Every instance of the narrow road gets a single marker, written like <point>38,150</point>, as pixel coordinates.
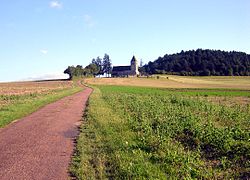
<point>40,145</point>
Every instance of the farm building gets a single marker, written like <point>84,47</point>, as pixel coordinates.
<point>125,71</point>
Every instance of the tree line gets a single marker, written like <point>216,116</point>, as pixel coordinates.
<point>201,63</point>
<point>98,66</point>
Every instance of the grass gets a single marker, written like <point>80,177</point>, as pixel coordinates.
<point>18,104</point>
<point>152,133</point>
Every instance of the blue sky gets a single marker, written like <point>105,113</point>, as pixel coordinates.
<point>39,39</point>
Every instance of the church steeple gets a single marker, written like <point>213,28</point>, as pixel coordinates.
<point>134,66</point>
<point>133,59</point>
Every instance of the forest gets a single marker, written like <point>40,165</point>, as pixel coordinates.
<point>201,63</point>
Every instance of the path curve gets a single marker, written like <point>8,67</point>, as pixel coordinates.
<point>40,145</point>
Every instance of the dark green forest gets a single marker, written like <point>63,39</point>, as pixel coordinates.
<point>201,63</point>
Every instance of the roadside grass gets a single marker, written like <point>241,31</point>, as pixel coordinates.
<point>150,133</point>
<point>17,106</point>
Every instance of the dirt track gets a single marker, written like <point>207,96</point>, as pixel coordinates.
<point>40,145</point>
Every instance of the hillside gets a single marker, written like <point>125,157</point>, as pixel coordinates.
<point>202,63</point>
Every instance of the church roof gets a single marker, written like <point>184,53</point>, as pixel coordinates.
<point>133,59</point>
<point>121,68</point>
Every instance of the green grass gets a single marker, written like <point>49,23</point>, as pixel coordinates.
<point>183,91</point>
<point>21,105</point>
<point>149,133</point>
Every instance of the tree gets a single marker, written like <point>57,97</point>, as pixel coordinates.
<point>141,63</point>
<point>78,71</point>
<point>107,65</point>
<point>202,62</point>
<point>70,71</point>
<point>142,68</point>
<point>98,62</point>
<point>91,69</point>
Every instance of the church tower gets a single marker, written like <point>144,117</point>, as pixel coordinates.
<point>134,67</point>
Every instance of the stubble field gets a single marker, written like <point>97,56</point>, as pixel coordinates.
<point>22,98</point>
<point>171,81</point>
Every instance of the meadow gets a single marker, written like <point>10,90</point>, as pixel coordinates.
<point>22,98</point>
<point>132,132</point>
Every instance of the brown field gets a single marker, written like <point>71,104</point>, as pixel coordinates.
<point>229,101</point>
<point>177,82</point>
<point>22,88</point>
<point>18,99</point>
<point>12,92</point>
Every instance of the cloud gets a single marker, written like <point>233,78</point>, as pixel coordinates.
<point>55,4</point>
<point>88,20</point>
<point>44,51</point>
<point>49,76</point>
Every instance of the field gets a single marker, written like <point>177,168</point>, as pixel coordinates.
<point>22,98</point>
<point>177,82</point>
<point>188,131</point>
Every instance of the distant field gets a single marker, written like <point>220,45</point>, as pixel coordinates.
<point>22,98</point>
<point>177,82</point>
<point>186,128</point>
<point>21,88</point>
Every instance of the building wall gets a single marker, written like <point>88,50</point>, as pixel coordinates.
<point>132,72</point>
<point>122,73</point>
<point>134,68</point>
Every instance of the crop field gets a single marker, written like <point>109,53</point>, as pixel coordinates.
<point>21,98</point>
<point>170,81</point>
<point>158,133</point>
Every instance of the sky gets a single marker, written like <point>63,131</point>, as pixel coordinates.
<point>40,38</point>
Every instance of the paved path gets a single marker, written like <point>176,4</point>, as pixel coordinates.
<point>40,145</point>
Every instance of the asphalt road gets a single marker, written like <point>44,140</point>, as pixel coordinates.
<point>40,145</point>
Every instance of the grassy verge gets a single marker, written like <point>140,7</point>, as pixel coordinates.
<point>23,105</point>
<point>90,159</point>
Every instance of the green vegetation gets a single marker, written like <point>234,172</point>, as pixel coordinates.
<point>149,133</point>
<point>18,106</point>
<point>201,63</point>
<point>97,66</point>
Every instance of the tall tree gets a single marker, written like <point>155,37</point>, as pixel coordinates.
<point>98,62</point>
<point>141,63</point>
<point>107,65</point>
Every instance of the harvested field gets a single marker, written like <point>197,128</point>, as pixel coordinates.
<point>20,88</point>
<point>176,82</point>
<point>22,98</point>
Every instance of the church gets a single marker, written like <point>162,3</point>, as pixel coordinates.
<point>126,71</point>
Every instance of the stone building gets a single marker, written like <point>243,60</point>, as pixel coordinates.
<point>126,71</point>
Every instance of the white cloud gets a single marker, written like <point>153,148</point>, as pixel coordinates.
<point>49,76</point>
<point>44,51</point>
<point>55,4</point>
<point>88,20</point>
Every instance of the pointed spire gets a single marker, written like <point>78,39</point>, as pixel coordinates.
<point>133,58</point>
